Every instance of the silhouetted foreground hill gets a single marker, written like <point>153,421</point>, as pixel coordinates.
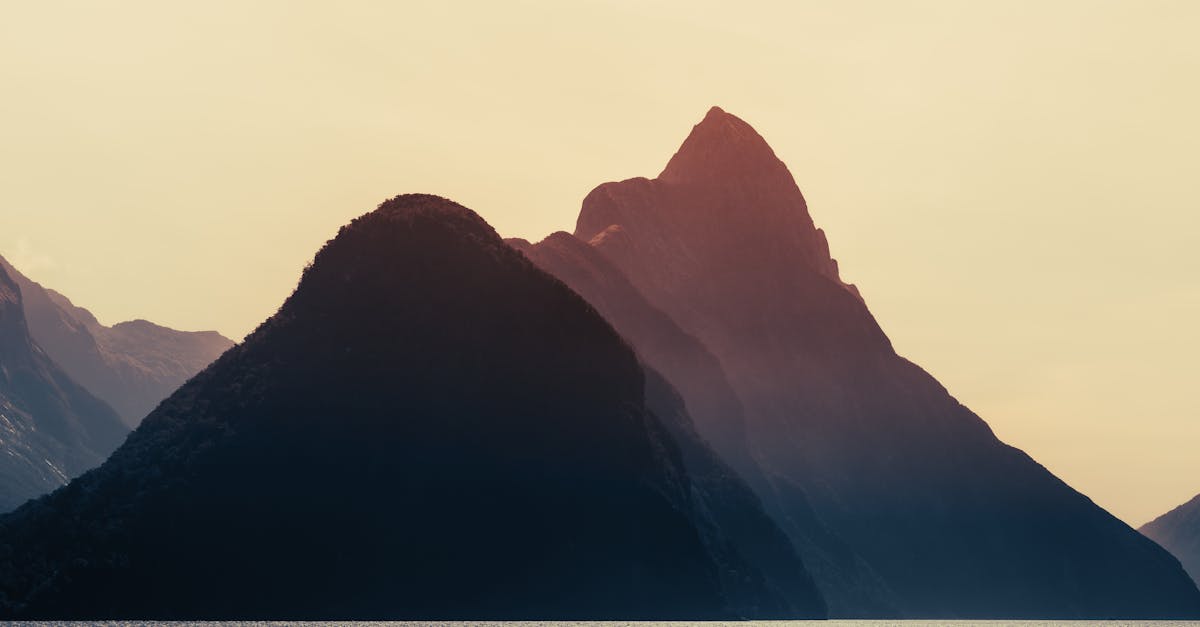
<point>847,583</point>
<point>430,427</point>
<point>957,523</point>
<point>132,365</point>
<point>51,430</point>
<point>1178,531</point>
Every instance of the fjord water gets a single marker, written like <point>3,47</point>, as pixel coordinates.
<point>825,623</point>
<point>653,623</point>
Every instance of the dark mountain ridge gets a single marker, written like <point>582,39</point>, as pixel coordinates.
<point>51,430</point>
<point>957,523</point>
<point>430,427</point>
<point>131,365</point>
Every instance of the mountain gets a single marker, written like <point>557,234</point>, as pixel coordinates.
<point>1178,531</point>
<point>132,365</point>
<point>51,429</point>
<point>956,523</point>
<point>430,427</point>
<point>847,583</point>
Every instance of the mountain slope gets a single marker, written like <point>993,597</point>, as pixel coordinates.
<point>712,403</point>
<point>957,523</point>
<point>430,427</point>
<point>846,582</point>
<point>51,430</point>
<point>1178,531</point>
<point>728,512</point>
<point>132,365</point>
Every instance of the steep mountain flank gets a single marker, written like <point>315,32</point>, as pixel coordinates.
<point>957,523</point>
<point>1178,531</point>
<point>51,429</point>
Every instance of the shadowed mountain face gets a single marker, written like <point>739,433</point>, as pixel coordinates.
<point>664,347</point>
<point>741,535</point>
<point>848,585</point>
<point>957,523</point>
<point>1178,531</point>
<point>132,365</point>
<point>51,430</point>
<point>430,427</point>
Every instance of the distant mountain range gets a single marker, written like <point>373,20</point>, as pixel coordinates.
<point>132,366</point>
<point>679,411</point>
<point>51,429</point>
<point>430,427</point>
<point>1178,531</point>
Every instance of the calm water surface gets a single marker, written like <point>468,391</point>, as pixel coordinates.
<point>828,623</point>
<point>619,623</point>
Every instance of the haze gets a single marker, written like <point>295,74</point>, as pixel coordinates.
<point>1011,184</point>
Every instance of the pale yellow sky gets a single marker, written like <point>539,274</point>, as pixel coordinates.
<point>1012,184</point>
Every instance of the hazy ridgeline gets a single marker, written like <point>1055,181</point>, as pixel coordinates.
<point>680,411</point>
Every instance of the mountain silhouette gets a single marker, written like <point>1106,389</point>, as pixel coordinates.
<point>429,427</point>
<point>1178,531</point>
<point>51,429</point>
<point>957,523</point>
<point>132,365</point>
<point>847,583</point>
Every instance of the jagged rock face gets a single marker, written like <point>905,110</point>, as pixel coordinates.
<point>51,430</point>
<point>1178,531</point>
<point>430,427</point>
<point>729,204</point>
<point>957,523</point>
<point>848,585</point>
<point>132,365</point>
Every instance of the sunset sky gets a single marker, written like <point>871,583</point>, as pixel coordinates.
<point>1012,185</point>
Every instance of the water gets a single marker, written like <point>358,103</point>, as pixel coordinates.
<point>827,623</point>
